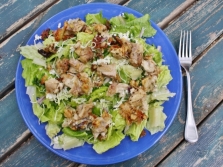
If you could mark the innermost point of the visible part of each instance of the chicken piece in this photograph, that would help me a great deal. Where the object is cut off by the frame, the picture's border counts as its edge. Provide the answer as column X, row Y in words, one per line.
column 136, row 55
column 72, row 82
column 149, row 83
column 149, row 65
column 69, row 112
column 85, row 54
column 121, row 49
column 137, row 98
column 131, row 114
column 86, row 84
column 76, row 66
column 62, row 66
column 83, row 110
column 79, row 119
column 100, row 126
column 59, row 34
column 76, row 25
column 112, row 89
column 99, row 27
column 98, row 79
column 122, row 88
column 107, row 70
column 53, row 86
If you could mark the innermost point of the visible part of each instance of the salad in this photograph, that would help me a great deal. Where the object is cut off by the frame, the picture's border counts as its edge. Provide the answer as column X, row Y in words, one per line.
column 97, row 81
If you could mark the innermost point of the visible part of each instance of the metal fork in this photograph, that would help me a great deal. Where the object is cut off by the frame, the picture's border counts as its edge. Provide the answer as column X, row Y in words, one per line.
column 185, row 58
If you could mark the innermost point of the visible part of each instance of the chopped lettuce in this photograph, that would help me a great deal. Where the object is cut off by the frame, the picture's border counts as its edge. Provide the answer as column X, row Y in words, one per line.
column 138, row 27
column 95, row 18
column 77, row 134
column 162, row 94
column 119, row 122
column 52, row 130
column 132, row 72
column 31, row 52
column 135, row 130
column 164, row 77
column 49, row 41
column 156, row 119
column 84, row 38
column 66, row 142
column 114, row 140
column 32, row 72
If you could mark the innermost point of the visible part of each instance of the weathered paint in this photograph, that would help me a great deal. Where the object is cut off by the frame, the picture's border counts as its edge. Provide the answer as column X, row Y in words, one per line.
column 12, row 125
column 207, row 151
column 205, row 19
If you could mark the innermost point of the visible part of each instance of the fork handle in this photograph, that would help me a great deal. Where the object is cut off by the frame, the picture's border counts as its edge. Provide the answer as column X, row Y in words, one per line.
column 190, row 133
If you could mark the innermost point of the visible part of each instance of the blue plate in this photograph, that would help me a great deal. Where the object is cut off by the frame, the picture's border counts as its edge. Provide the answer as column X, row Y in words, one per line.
column 127, row 149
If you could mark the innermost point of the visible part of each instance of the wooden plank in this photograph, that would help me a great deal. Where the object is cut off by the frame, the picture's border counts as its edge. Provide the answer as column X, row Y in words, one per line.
column 205, row 93
column 207, row 151
column 14, row 14
column 33, row 153
column 13, row 129
column 158, row 10
column 204, row 19
column 10, row 55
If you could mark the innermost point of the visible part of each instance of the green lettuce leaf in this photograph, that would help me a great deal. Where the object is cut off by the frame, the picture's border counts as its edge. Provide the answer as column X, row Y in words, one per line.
column 156, row 119
column 135, row 130
column 115, row 138
column 66, row 142
column 49, row 41
column 118, row 120
column 84, row 37
column 52, row 130
column 77, row 134
column 31, row 71
column 54, row 112
column 162, row 94
column 132, row 72
column 137, row 26
column 31, row 52
column 164, row 77
column 95, row 18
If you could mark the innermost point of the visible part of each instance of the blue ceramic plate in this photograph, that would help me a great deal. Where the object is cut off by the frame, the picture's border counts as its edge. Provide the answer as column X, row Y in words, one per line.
column 127, row 149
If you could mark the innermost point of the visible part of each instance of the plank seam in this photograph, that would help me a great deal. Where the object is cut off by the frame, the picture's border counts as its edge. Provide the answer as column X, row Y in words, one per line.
column 208, row 47
column 25, row 20
column 24, row 137
column 123, row 2
column 182, row 141
column 176, row 13
column 7, row 89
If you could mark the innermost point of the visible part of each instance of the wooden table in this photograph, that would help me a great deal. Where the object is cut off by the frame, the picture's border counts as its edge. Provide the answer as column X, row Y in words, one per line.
column 19, row 19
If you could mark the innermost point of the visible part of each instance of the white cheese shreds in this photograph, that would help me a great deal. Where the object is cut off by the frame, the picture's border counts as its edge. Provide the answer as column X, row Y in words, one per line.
column 106, row 60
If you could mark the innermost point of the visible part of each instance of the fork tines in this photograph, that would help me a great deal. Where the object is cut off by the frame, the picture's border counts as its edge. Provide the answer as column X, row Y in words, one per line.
column 185, row 44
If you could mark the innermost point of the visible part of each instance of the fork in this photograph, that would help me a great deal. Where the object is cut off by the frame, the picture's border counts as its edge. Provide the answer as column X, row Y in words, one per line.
column 185, row 58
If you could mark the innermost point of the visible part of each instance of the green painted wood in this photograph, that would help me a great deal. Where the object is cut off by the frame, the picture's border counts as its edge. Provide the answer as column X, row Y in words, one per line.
column 33, row 153
column 206, row 95
column 207, row 151
column 204, row 19
column 157, row 10
column 13, row 10
column 12, row 125
column 9, row 52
